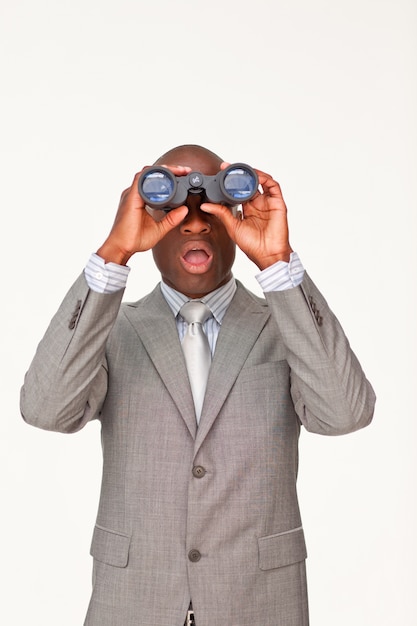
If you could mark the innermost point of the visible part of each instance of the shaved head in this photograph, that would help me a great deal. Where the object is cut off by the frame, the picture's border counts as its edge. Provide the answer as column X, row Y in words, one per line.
column 198, row 158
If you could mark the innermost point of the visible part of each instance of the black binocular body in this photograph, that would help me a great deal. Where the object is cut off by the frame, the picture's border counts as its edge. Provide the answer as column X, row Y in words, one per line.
column 161, row 189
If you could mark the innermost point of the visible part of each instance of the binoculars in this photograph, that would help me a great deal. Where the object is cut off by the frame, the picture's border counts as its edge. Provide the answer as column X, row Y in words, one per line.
column 160, row 189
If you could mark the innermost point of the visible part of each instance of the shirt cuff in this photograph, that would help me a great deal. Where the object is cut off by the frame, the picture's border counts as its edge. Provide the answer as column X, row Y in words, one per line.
column 282, row 275
column 105, row 277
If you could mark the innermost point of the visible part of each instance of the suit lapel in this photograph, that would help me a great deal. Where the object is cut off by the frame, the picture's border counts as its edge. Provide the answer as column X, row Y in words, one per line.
column 240, row 329
column 155, row 324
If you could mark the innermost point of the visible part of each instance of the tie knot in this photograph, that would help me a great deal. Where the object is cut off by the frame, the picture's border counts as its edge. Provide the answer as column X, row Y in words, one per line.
column 195, row 311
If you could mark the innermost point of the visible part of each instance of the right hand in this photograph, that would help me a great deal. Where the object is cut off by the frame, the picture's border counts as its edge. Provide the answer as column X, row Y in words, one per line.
column 134, row 229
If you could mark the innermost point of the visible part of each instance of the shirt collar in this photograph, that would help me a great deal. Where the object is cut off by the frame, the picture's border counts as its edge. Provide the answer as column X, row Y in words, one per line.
column 217, row 301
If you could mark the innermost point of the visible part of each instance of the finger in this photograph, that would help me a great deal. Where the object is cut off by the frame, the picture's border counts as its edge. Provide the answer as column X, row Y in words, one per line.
column 178, row 170
column 262, row 174
column 133, row 186
column 224, row 214
column 172, row 219
column 269, row 185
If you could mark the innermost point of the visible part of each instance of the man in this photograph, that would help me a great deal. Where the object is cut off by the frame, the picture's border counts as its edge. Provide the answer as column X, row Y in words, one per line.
column 203, row 513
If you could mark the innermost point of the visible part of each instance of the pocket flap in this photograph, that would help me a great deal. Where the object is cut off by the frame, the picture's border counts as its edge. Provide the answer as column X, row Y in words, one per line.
column 282, row 549
column 110, row 546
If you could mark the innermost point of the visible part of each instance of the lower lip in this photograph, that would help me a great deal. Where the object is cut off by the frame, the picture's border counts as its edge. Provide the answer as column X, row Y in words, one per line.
column 198, row 268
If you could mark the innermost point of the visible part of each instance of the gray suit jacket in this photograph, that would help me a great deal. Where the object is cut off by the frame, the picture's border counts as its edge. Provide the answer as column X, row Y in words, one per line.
column 207, row 514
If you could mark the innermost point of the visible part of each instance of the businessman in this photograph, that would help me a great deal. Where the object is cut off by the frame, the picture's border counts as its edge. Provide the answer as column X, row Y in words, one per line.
column 198, row 520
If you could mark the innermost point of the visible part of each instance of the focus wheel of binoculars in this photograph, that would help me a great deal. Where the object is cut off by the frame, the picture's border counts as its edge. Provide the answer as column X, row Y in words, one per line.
column 161, row 189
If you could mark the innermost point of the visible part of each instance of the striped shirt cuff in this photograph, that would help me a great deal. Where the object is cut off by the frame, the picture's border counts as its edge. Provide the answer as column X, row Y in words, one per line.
column 105, row 277
column 282, row 275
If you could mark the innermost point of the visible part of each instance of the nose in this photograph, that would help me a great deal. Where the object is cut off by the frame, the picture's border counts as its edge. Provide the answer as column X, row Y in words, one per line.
column 196, row 222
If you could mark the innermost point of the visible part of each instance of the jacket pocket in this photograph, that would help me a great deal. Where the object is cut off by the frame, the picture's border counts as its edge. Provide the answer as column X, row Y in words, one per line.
column 282, row 549
column 110, row 546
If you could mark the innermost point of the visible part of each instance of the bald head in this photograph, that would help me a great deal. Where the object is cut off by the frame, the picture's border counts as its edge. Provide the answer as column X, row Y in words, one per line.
column 198, row 158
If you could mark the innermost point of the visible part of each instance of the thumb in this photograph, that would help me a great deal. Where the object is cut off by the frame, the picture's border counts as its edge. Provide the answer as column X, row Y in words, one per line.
column 172, row 219
column 225, row 215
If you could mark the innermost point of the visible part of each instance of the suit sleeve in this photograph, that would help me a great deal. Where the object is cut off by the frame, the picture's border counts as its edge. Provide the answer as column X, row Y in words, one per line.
column 66, row 383
column 330, row 392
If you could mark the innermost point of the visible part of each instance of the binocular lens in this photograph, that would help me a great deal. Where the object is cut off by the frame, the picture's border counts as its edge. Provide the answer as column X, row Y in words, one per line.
column 240, row 184
column 157, row 187
column 160, row 189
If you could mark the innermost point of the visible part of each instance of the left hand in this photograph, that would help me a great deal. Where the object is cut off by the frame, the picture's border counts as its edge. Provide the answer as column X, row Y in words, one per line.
column 262, row 232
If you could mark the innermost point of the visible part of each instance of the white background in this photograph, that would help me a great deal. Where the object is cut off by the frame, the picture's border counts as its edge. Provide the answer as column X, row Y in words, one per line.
column 320, row 94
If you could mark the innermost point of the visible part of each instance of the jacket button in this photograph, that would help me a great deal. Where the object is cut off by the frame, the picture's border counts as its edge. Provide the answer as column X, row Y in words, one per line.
column 194, row 556
column 198, row 471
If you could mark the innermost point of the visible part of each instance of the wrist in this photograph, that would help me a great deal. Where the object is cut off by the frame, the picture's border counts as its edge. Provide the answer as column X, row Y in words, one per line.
column 267, row 261
column 112, row 254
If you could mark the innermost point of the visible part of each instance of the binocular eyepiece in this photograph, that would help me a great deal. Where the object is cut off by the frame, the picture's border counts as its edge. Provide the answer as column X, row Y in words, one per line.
column 160, row 189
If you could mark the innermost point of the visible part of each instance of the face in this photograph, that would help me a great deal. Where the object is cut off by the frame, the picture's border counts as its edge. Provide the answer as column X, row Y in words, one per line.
column 197, row 256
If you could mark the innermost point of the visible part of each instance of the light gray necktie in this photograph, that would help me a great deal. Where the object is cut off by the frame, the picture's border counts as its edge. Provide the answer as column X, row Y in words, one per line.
column 196, row 350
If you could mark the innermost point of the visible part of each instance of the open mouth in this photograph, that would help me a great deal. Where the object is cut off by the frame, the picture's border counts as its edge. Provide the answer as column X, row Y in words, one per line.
column 197, row 257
